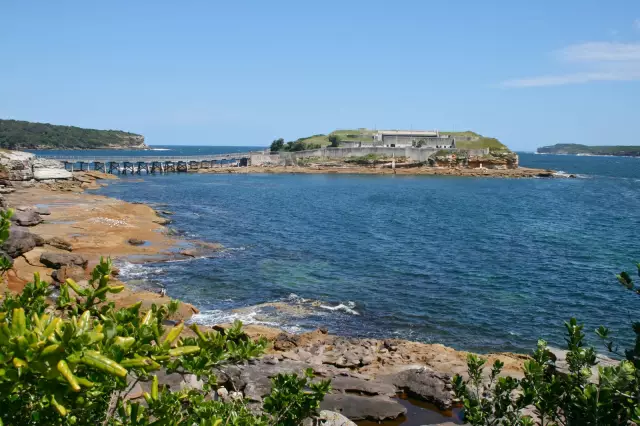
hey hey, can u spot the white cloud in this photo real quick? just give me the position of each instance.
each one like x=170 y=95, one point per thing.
x=601 y=51
x=601 y=61
x=636 y=24
x=576 y=78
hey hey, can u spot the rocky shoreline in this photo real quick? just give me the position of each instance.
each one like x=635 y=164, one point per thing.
x=521 y=172
x=61 y=231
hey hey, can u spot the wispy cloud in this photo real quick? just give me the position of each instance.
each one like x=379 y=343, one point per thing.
x=600 y=61
x=636 y=24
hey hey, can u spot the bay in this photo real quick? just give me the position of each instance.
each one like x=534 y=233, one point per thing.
x=480 y=264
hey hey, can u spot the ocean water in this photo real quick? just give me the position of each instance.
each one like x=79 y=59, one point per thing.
x=481 y=264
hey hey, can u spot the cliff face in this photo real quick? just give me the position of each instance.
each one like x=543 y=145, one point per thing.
x=27 y=135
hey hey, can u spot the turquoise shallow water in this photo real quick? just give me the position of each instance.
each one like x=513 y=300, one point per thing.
x=479 y=264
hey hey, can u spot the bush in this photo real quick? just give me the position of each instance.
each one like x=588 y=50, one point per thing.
x=569 y=399
x=334 y=141
x=277 y=145
x=73 y=363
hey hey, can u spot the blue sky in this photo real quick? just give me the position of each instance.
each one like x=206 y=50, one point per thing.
x=244 y=73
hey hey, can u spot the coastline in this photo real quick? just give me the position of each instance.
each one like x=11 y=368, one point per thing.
x=96 y=225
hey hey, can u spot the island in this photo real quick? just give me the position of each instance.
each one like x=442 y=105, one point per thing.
x=578 y=149
x=372 y=151
x=16 y=134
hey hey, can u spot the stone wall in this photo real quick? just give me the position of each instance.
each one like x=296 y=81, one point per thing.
x=264 y=159
x=415 y=154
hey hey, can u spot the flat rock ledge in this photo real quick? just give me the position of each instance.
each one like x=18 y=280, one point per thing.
x=354 y=396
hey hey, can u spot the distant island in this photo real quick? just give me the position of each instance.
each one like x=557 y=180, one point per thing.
x=16 y=134
x=577 y=149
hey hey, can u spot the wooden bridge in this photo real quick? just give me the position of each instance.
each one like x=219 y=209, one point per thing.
x=152 y=163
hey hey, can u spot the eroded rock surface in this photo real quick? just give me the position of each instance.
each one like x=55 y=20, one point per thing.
x=58 y=260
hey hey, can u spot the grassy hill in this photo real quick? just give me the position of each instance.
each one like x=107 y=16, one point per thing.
x=572 y=148
x=27 y=135
x=464 y=140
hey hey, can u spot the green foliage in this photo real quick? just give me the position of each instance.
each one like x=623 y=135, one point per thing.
x=334 y=141
x=298 y=145
x=5 y=225
x=73 y=363
x=27 y=135
x=368 y=159
x=290 y=399
x=277 y=145
x=573 y=398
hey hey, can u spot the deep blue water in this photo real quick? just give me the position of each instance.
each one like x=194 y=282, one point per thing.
x=481 y=264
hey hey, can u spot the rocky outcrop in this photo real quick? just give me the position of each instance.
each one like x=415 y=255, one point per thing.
x=47 y=174
x=329 y=418
x=26 y=218
x=21 y=241
x=71 y=271
x=59 y=243
x=424 y=384
x=23 y=166
x=356 y=407
x=16 y=165
x=58 y=260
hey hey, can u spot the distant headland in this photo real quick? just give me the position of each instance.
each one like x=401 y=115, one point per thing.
x=578 y=149
x=16 y=134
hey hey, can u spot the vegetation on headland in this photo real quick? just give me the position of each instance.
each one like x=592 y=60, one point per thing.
x=28 y=135
x=571 y=148
x=464 y=140
x=75 y=362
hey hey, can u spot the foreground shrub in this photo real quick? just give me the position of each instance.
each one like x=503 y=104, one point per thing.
x=73 y=363
x=546 y=396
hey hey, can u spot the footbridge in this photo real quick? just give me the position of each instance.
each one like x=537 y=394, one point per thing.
x=131 y=164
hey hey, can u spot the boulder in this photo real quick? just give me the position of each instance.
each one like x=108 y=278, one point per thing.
x=58 y=260
x=20 y=241
x=43 y=211
x=286 y=341
x=356 y=407
x=328 y=418
x=26 y=218
x=58 y=242
x=46 y=174
x=76 y=273
x=424 y=384
x=136 y=242
x=44 y=163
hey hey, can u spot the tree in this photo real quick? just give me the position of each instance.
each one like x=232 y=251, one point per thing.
x=277 y=145
x=335 y=141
